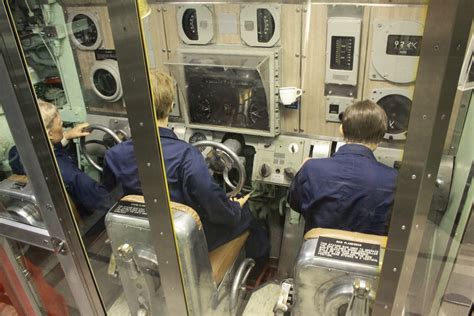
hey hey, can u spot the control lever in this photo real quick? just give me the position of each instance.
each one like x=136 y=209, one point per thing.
x=285 y=299
x=125 y=252
x=359 y=303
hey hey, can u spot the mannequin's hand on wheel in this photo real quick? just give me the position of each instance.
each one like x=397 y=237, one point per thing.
x=77 y=131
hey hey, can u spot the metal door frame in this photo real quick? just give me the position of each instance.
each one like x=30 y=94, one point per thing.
x=442 y=54
x=18 y=98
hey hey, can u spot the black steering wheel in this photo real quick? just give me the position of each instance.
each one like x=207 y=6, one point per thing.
x=83 y=143
x=227 y=159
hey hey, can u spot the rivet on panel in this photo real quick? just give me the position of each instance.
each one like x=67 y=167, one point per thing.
x=443 y=116
x=394 y=270
x=161 y=233
x=148 y=164
x=425 y=116
x=167 y=262
x=297 y=55
x=141 y=123
x=429 y=175
x=403 y=227
x=155 y=201
x=386 y=307
x=417 y=226
x=436 y=47
x=413 y=176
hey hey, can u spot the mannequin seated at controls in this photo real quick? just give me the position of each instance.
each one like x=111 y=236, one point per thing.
x=87 y=194
x=350 y=190
x=189 y=181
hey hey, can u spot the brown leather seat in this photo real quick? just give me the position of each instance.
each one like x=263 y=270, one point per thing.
x=222 y=257
x=347 y=235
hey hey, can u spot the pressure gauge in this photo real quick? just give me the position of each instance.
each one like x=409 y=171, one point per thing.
x=195 y=24
x=105 y=80
x=260 y=24
x=397 y=105
x=84 y=27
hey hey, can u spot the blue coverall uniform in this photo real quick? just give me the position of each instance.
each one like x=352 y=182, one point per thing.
x=349 y=191
x=87 y=194
x=189 y=183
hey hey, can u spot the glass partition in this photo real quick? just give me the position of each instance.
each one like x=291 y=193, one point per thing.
x=181 y=131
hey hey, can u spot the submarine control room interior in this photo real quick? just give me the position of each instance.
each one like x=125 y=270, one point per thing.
x=292 y=157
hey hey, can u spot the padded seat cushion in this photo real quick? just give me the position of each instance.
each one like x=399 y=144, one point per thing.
x=174 y=207
x=18 y=178
x=347 y=235
x=224 y=256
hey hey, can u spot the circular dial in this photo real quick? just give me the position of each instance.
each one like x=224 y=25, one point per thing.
x=204 y=109
x=105 y=82
x=397 y=107
x=84 y=30
x=189 y=23
x=265 y=25
x=257 y=113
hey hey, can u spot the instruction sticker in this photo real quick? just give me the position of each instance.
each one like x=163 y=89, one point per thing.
x=130 y=209
x=346 y=250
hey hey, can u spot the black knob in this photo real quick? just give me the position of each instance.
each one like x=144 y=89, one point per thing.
x=265 y=170
x=289 y=173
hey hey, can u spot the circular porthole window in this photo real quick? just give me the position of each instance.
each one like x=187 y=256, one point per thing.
x=85 y=31
x=105 y=80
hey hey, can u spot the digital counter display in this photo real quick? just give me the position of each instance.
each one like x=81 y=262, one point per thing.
x=404 y=45
x=342 y=52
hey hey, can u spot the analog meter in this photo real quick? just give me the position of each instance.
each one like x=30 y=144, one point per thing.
x=84 y=27
x=195 y=24
x=105 y=80
x=397 y=105
x=260 y=24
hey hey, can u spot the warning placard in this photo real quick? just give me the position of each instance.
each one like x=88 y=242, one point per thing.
x=130 y=209
x=346 y=250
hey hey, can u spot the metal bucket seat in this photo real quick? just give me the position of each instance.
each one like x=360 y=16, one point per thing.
x=337 y=272
x=212 y=280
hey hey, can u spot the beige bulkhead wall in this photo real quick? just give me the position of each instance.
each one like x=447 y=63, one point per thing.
x=295 y=50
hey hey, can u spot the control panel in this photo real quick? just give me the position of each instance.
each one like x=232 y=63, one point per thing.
x=278 y=160
x=342 y=50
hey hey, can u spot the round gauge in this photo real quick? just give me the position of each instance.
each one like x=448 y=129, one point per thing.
x=204 y=109
x=106 y=80
x=195 y=23
x=265 y=25
x=257 y=113
x=397 y=107
x=85 y=31
x=189 y=23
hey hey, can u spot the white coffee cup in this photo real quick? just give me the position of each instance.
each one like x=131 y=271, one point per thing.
x=288 y=95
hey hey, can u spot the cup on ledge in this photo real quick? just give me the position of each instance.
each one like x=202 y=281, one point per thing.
x=288 y=95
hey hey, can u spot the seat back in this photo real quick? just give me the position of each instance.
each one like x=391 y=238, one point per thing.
x=128 y=229
x=329 y=263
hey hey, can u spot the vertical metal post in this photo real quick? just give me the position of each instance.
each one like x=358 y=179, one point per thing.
x=35 y=149
x=133 y=67
x=444 y=43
